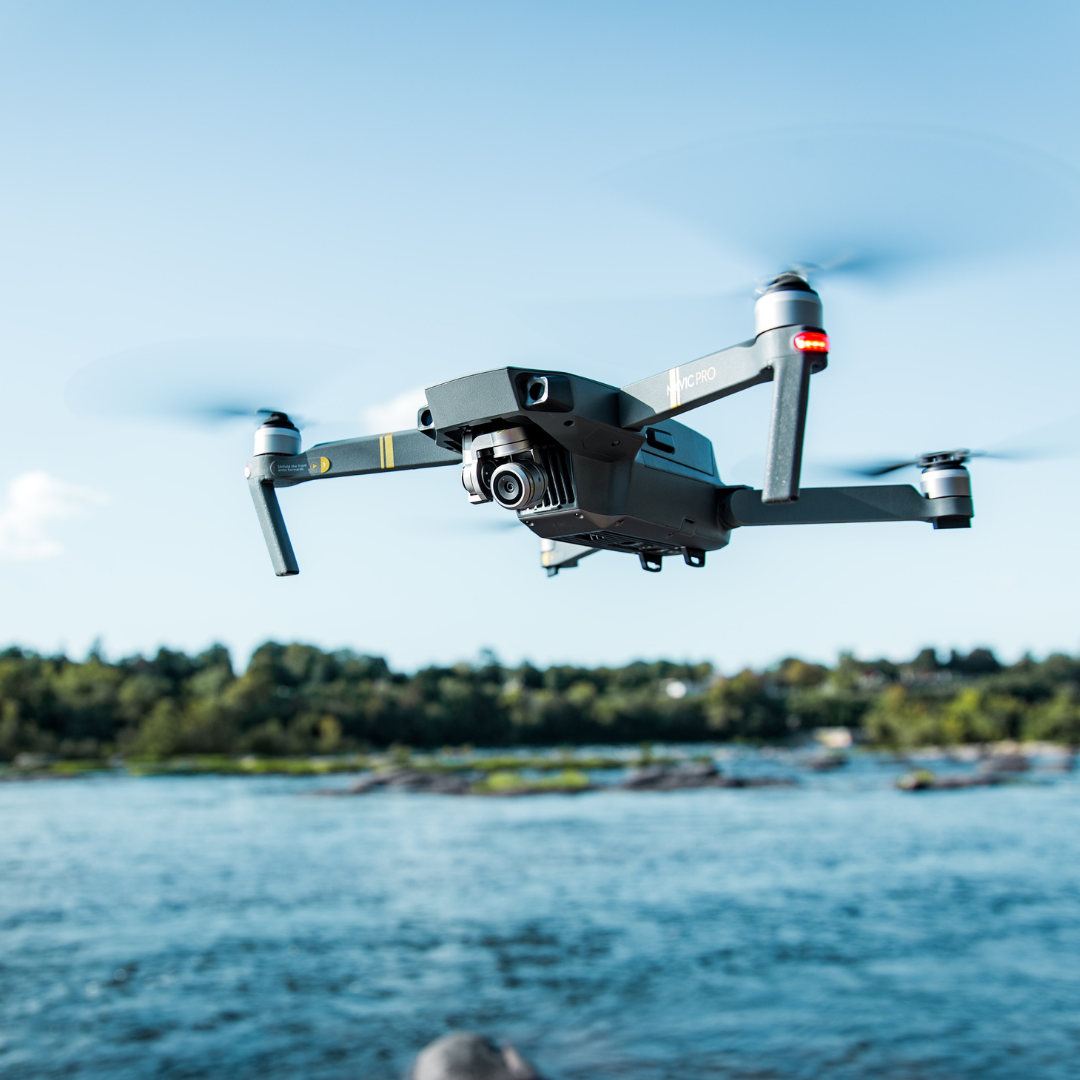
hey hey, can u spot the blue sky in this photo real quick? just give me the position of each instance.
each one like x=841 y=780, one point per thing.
x=428 y=190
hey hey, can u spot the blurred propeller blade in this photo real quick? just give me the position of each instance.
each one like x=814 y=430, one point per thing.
x=867 y=202
x=884 y=468
x=205 y=381
x=878 y=468
x=1058 y=439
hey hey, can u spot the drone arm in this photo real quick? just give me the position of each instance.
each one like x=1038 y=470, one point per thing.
x=398 y=450
x=819 y=506
x=680 y=389
x=787 y=425
x=771 y=356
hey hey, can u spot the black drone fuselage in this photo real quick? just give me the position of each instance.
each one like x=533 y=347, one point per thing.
x=651 y=492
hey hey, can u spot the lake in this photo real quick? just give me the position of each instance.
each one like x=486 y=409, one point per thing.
x=238 y=927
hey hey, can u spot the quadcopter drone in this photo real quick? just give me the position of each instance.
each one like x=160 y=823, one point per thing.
x=590 y=467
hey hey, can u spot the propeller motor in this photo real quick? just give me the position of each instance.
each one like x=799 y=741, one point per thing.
x=944 y=475
x=277 y=435
x=788 y=300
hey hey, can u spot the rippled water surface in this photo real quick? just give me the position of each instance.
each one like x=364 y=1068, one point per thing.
x=237 y=927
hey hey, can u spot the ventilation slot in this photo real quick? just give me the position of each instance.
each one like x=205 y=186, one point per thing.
x=560 y=489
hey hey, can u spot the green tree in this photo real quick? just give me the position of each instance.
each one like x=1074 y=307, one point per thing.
x=740 y=708
x=1057 y=720
x=897 y=720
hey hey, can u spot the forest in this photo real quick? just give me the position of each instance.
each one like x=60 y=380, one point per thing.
x=297 y=699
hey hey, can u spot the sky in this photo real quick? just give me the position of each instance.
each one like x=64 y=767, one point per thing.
x=379 y=197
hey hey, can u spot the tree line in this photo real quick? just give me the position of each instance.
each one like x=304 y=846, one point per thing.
x=297 y=699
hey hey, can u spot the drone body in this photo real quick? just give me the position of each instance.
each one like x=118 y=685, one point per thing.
x=590 y=467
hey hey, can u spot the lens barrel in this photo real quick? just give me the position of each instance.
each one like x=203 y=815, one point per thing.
x=516 y=485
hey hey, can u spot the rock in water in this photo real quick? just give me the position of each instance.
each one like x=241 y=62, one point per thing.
x=673 y=778
x=464 y=1055
x=1004 y=763
x=698 y=775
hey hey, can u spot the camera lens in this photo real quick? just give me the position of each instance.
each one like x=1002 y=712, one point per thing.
x=509 y=488
x=518 y=484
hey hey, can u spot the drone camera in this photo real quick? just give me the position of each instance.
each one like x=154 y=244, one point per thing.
x=503 y=466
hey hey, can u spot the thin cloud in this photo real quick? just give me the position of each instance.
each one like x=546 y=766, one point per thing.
x=35 y=502
x=398 y=414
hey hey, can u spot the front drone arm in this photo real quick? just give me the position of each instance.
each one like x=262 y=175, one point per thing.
x=399 y=450
x=773 y=356
x=789 y=347
x=659 y=397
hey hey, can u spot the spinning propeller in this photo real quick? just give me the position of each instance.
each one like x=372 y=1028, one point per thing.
x=850 y=207
x=876 y=204
x=1048 y=441
x=209 y=382
x=926 y=461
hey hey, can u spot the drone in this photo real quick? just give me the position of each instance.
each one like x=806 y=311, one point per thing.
x=590 y=467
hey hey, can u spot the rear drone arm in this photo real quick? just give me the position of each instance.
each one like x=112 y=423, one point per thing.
x=399 y=450
x=843 y=505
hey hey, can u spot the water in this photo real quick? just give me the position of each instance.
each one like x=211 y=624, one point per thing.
x=233 y=927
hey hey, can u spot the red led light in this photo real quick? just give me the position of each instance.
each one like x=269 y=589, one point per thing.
x=811 y=341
